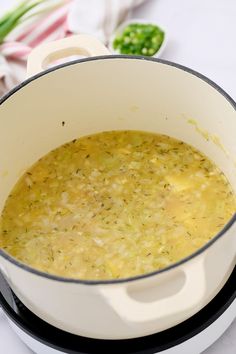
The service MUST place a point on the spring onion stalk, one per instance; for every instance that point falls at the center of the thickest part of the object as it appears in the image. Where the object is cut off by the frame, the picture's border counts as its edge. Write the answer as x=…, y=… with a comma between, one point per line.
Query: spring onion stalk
x=45, y=9
x=12, y=18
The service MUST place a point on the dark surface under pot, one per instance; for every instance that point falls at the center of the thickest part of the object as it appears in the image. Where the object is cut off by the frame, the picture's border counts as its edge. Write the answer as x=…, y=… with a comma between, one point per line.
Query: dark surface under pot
x=155, y=343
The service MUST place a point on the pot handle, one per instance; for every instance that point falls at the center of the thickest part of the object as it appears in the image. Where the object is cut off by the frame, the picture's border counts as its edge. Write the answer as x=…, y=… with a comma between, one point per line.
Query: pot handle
x=186, y=299
x=46, y=53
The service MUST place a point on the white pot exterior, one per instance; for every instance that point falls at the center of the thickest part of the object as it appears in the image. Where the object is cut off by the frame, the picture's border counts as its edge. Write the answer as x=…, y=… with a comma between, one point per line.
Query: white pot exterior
x=116, y=93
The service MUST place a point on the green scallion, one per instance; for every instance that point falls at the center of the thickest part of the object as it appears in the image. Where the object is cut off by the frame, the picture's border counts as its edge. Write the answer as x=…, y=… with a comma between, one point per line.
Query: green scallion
x=139, y=39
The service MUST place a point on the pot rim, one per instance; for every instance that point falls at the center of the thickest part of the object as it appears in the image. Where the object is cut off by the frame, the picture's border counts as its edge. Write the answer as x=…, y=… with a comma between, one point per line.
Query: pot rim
x=220, y=234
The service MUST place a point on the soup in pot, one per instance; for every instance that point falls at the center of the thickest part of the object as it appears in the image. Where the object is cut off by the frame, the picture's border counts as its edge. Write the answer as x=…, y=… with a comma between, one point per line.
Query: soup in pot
x=114, y=205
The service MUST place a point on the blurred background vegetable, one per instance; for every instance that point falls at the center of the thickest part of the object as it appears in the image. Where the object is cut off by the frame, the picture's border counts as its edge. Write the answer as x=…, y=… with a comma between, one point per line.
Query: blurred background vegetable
x=26, y=24
x=22, y=12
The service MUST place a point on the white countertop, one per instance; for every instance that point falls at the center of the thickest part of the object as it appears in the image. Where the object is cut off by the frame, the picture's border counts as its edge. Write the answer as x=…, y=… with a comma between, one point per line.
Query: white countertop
x=201, y=35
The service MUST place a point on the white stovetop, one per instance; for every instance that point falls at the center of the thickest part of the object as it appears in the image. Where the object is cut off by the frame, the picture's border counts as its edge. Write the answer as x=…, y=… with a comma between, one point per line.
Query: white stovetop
x=201, y=35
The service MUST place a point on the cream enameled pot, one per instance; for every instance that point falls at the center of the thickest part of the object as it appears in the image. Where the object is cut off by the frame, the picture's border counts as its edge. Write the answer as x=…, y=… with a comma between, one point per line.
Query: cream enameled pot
x=106, y=93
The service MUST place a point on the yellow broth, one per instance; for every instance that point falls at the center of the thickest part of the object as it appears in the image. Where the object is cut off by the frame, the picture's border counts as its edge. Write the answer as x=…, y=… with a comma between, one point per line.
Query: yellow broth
x=114, y=205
